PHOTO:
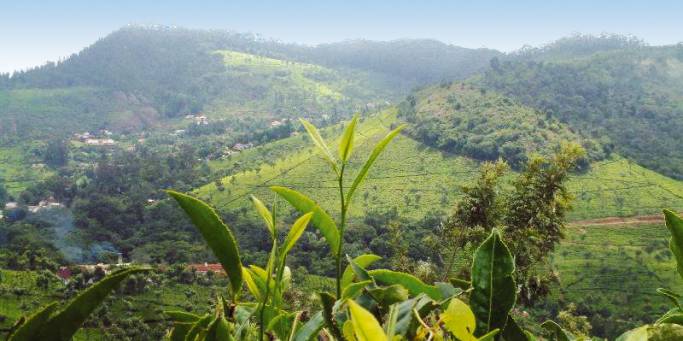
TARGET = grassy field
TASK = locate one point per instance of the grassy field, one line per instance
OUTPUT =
(416, 179)
(612, 272)
(18, 170)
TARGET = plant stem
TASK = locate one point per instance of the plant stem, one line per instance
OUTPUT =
(341, 230)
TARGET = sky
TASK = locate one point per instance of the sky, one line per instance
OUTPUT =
(33, 32)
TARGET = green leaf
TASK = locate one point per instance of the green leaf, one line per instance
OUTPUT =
(220, 239)
(253, 288)
(460, 283)
(320, 143)
(675, 225)
(64, 324)
(392, 322)
(459, 320)
(265, 214)
(320, 219)
(365, 325)
(309, 331)
(32, 326)
(347, 331)
(494, 290)
(513, 331)
(282, 325)
(386, 296)
(556, 332)
(354, 289)
(346, 144)
(638, 334)
(490, 336)
(296, 231)
(198, 327)
(414, 285)
(363, 261)
(373, 156)
(406, 324)
(179, 331)
(219, 330)
(328, 301)
(672, 296)
(181, 316)
(675, 318)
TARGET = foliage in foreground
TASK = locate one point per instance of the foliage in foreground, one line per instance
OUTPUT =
(369, 304)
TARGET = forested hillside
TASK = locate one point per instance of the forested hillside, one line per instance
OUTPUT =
(630, 100)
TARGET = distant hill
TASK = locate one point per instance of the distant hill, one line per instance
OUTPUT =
(173, 67)
(630, 99)
(464, 119)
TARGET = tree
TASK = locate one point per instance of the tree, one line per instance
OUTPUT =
(57, 153)
(4, 196)
(536, 214)
(532, 215)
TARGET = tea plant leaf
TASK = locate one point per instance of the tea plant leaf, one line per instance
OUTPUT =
(347, 330)
(386, 296)
(414, 285)
(320, 219)
(363, 261)
(674, 318)
(675, 225)
(556, 332)
(513, 331)
(64, 324)
(251, 284)
(672, 296)
(371, 160)
(181, 316)
(265, 214)
(32, 326)
(282, 325)
(365, 325)
(219, 237)
(296, 231)
(459, 320)
(346, 144)
(320, 143)
(179, 331)
(638, 334)
(328, 302)
(354, 289)
(490, 336)
(309, 331)
(197, 327)
(219, 330)
(391, 322)
(494, 289)
(406, 323)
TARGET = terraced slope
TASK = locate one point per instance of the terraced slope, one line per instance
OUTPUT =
(417, 179)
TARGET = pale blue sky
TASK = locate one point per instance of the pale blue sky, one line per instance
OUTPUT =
(32, 32)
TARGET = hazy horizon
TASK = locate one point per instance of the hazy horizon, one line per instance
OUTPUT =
(49, 32)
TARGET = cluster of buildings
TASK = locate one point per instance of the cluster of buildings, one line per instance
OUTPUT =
(91, 139)
(199, 119)
(12, 208)
(65, 273)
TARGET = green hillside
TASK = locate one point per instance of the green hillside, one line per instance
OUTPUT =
(468, 120)
(630, 99)
(612, 273)
(417, 179)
